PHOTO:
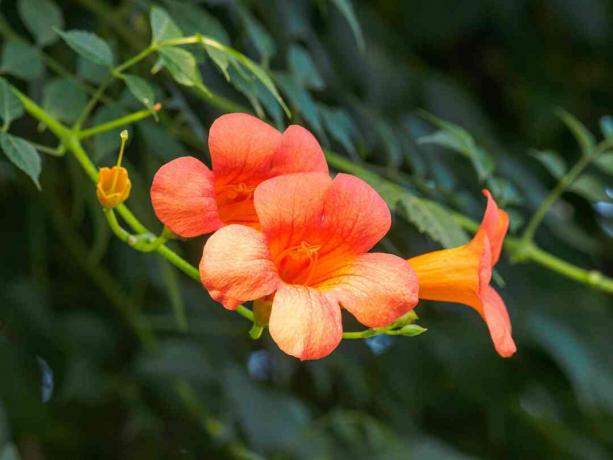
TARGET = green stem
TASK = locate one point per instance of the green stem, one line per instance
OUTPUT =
(114, 124)
(91, 104)
(553, 196)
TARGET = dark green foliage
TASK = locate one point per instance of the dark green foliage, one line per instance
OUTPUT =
(436, 100)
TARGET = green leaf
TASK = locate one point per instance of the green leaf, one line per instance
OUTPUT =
(195, 20)
(21, 153)
(585, 139)
(220, 58)
(303, 68)
(263, 42)
(21, 60)
(590, 187)
(339, 125)
(41, 17)
(459, 140)
(605, 162)
(551, 161)
(432, 219)
(346, 8)
(88, 45)
(90, 71)
(242, 62)
(64, 99)
(140, 89)
(162, 26)
(182, 65)
(11, 107)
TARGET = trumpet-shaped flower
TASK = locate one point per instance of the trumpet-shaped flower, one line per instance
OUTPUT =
(463, 275)
(310, 258)
(191, 199)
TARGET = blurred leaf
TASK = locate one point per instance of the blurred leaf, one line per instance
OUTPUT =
(21, 153)
(301, 100)
(220, 58)
(339, 125)
(263, 42)
(303, 68)
(159, 141)
(552, 161)
(64, 99)
(41, 17)
(240, 62)
(9, 452)
(194, 19)
(585, 139)
(11, 107)
(182, 66)
(285, 416)
(140, 89)
(21, 60)
(432, 219)
(88, 45)
(177, 359)
(109, 141)
(590, 187)
(459, 140)
(605, 162)
(90, 71)
(346, 8)
(593, 387)
(162, 26)
(606, 126)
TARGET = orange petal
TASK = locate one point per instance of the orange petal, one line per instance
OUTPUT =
(498, 322)
(298, 151)
(242, 148)
(376, 288)
(183, 197)
(305, 322)
(456, 274)
(236, 266)
(290, 208)
(495, 223)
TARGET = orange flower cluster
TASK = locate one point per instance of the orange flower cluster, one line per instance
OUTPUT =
(297, 242)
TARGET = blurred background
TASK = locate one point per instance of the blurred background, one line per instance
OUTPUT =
(80, 379)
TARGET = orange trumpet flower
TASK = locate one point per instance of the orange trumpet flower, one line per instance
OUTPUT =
(463, 275)
(191, 199)
(309, 259)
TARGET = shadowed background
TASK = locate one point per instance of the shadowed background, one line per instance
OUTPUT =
(75, 380)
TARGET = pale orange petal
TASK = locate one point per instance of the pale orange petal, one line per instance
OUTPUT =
(376, 288)
(298, 151)
(183, 197)
(305, 322)
(236, 266)
(242, 148)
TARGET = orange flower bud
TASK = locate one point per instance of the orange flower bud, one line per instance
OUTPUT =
(113, 186)
(114, 183)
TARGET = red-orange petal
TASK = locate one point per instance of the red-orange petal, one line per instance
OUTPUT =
(495, 222)
(304, 322)
(498, 322)
(376, 288)
(298, 151)
(356, 216)
(183, 197)
(236, 266)
(290, 208)
(242, 148)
